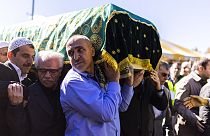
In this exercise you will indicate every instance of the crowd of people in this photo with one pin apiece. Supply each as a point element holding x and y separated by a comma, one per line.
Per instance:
<point>170,101</point>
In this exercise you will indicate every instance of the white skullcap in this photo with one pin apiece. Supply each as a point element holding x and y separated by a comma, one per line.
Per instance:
<point>18,42</point>
<point>3,44</point>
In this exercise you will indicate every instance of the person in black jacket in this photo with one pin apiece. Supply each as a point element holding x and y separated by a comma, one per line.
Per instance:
<point>188,122</point>
<point>20,58</point>
<point>42,114</point>
<point>203,102</point>
<point>136,120</point>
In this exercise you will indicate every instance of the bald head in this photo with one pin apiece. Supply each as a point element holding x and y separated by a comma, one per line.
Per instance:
<point>80,52</point>
<point>77,39</point>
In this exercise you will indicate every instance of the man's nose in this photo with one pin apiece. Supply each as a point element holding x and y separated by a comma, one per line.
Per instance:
<point>76,56</point>
<point>30,60</point>
<point>166,77</point>
<point>47,74</point>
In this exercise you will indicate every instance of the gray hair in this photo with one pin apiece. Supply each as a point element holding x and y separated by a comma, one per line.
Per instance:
<point>48,54</point>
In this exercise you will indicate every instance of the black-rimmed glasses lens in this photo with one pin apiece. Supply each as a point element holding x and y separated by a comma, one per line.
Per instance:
<point>51,71</point>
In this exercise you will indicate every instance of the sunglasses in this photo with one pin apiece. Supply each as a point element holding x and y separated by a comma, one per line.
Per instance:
<point>164,74</point>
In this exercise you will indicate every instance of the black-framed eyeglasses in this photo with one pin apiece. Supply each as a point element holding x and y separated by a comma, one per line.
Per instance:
<point>51,71</point>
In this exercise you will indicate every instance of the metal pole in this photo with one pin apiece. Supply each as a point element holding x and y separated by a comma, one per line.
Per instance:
<point>32,12</point>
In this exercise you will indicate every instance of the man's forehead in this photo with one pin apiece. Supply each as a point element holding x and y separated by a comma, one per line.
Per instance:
<point>49,62</point>
<point>4,49</point>
<point>74,46</point>
<point>163,69</point>
<point>26,50</point>
<point>79,43</point>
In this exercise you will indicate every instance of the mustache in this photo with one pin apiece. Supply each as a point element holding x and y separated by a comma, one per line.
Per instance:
<point>77,62</point>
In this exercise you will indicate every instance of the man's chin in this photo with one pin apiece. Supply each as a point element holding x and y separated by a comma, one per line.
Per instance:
<point>25,72</point>
<point>48,86</point>
<point>162,83</point>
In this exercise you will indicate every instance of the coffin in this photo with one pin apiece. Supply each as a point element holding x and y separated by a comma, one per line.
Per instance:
<point>119,37</point>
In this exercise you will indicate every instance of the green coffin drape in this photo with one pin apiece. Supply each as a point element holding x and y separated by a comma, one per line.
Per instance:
<point>119,37</point>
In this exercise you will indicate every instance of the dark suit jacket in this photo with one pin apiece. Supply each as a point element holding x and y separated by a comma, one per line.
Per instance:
<point>39,117</point>
<point>159,127</point>
<point>7,75</point>
<point>138,119</point>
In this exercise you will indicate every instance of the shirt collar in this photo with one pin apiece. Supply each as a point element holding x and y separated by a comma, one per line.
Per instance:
<point>85,74</point>
<point>21,78</point>
<point>195,76</point>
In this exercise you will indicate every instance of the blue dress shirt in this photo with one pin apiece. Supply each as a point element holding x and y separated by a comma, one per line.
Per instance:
<point>91,110</point>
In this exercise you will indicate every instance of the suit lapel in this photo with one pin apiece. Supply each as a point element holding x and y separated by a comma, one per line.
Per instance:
<point>42,100</point>
<point>13,70</point>
<point>151,110</point>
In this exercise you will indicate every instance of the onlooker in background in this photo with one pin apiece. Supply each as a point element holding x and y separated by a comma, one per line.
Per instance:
<point>204,101</point>
<point>164,117</point>
<point>187,122</point>
<point>185,70</point>
<point>171,85</point>
<point>172,79</point>
<point>174,71</point>
<point>20,58</point>
<point>204,111</point>
<point>42,115</point>
<point>3,51</point>
<point>92,109</point>
<point>194,65</point>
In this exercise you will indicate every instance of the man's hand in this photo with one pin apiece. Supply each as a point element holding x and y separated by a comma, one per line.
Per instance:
<point>15,93</point>
<point>129,80</point>
<point>111,73</point>
<point>135,78</point>
<point>195,101</point>
<point>155,78</point>
<point>138,77</point>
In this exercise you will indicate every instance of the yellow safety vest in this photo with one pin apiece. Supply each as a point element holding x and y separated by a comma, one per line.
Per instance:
<point>172,88</point>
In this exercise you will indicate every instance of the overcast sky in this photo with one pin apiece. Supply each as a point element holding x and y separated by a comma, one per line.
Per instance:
<point>184,22</point>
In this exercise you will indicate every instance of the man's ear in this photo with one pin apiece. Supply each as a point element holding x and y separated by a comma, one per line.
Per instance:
<point>93,51</point>
<point>200,68</point>
<point>9,55</point>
